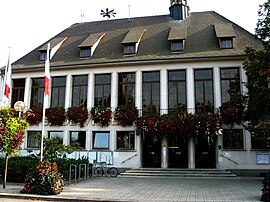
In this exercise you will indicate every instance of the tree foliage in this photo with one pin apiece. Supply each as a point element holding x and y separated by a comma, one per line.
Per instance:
<point>257,67</point>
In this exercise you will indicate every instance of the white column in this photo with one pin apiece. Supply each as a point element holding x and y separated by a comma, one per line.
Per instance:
<point>164,91</point>
<point>114,96</point>
<point>66,137</point>
<point>217,88</point>
<point>90,90</point>
<point>27,92</point>
<point>164,153</point>
<point>243,78</point>
<point>138,100</point>
<point>191,153</point>
<point>190,90</point>
<point>87,140</point>
<point>68,91</point>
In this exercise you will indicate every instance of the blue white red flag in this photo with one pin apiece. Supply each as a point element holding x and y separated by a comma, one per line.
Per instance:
<point>8,83</point>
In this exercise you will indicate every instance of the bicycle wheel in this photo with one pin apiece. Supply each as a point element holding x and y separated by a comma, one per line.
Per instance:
<point>99,171</point>
<point>113,172</point>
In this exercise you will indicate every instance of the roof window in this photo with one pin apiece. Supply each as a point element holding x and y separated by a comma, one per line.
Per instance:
<point>177,37</point>
<point>225,34</point>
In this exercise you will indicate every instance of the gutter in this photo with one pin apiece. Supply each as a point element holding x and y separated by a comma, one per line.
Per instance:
<point>122,62</point>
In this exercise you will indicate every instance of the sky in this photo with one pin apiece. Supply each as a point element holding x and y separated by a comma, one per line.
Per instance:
<point>26,24</point>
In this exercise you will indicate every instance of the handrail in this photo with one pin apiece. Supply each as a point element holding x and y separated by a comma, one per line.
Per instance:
<point>229,159</point>
<point>129,158</point>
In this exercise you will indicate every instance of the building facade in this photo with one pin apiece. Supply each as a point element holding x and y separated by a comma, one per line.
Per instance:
<point>178,62</point>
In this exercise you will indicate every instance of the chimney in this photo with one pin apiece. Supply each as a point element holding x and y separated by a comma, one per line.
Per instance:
<point>179,10</point>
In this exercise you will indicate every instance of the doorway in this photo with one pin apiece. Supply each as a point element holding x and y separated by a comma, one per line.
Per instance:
<point>205,148</point>
<point>178,151</point>
<point>151,151</point>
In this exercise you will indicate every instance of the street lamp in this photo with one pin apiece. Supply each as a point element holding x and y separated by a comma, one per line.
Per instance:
<point>19,106</point>
<point>3,106</point>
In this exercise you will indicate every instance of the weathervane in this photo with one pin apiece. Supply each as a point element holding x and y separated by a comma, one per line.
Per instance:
<point>108,13</point>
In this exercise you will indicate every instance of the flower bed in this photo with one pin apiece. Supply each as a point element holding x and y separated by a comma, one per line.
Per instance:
<point>33,116</point>
<point>77,115</point>
<point>101,115</point>
<point>125,115</point>
<point>56,116</point>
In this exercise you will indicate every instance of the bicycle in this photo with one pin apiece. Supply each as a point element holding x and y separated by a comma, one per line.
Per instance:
<point>103,169</point>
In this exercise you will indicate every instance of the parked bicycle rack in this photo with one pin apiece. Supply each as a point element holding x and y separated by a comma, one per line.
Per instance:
<point>80,169</point>
<point>75,172</point>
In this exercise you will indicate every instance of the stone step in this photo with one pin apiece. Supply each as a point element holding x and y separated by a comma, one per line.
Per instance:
<point>178,172</point>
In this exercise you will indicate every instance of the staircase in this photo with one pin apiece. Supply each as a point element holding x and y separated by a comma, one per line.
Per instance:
<point>171,172</point>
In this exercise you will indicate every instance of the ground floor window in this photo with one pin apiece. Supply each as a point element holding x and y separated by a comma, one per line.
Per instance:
<point>233,139</point>
<point>77,139</point>
<point>260,139</point>
<point>101,140</point>
<point>56,135</point>
<point>125,140</point>
<point>33,139</point>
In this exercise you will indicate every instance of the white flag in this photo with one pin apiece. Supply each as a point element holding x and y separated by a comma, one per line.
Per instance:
<point>8,83</point>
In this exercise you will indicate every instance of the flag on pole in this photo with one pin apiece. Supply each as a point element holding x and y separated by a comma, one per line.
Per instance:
<point>47,72</point>
<point>47,79</point>
<point>8,83</point>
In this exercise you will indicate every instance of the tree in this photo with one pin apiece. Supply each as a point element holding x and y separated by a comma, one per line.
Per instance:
<point>257,67</point>
<point>11,135</point>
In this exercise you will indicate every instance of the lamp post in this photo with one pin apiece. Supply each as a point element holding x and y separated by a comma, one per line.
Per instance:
<point>3,106</point>
<point>19,106</point>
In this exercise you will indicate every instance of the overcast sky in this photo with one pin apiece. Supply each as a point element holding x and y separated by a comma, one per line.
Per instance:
<point>26,24</point>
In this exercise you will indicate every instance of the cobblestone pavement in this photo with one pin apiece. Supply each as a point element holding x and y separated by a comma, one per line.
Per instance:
<point>154,189</point>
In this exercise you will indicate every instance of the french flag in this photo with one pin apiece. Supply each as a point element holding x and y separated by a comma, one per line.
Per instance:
<point>47,72</point>
<point>8,83</point>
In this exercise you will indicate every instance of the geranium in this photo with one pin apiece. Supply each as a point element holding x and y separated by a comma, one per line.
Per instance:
<point>33,116</point>
<point>45,180</point>
<point>56,116</point>
<point>77,115</point>
<point>231,114</point>
<point>125,115</point>
<point>101,115</point>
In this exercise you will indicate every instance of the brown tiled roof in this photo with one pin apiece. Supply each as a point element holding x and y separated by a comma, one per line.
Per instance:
<point>201,41</point>
<point>133,36</point>
<point>177,32</point>
<point>54,42</point>
<point>91,40</point>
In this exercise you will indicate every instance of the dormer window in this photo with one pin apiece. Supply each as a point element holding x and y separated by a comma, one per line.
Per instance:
<point>132,40</point>
<point>177,45</point>
<point>55,44</point>
<point>177,37</point>
<point>129,49</point>
<point>43,55</point>
<point>89,45</point>
<point>85,52</point>
<point>225,34</point>
<point>226,43</point>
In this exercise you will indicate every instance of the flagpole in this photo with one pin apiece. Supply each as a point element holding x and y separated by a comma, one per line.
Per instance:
<point>46,95</point>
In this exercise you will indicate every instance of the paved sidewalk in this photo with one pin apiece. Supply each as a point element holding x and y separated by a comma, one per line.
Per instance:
<point>147,189</point>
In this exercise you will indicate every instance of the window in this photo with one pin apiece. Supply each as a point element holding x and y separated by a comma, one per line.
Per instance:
<point>151,92</point>
<point>58,92</point>
<point>17,91</point>
<point>101,140</point>
<point>129,49</point>
<point>56,135</point>
<point>177,90</point>
<point>103,90</point>
<point>233,139</point>
<point>77,139</point>
<point>85,52</point>
<point>126,88</point>
<point>79,91</point>
<point>43,55</point>
<point>230,83</point>
<point>177,45</point>
<point>125,140</point>
<point>260,139</point>
<point>226,43</point>
<point>37,93</point>
<point>204,97</point>
<point>33,139</point>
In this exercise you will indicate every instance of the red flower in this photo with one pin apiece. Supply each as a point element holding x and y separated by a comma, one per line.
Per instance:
<point>101,115</point>
<point>125,115</point>
<point>33,116</point>
<point>77,115</point>
<point>56,116</point>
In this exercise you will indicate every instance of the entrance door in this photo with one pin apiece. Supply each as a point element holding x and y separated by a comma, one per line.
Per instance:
<point>205,152</point>
<point>151,151</point>
<point>178,152</point>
